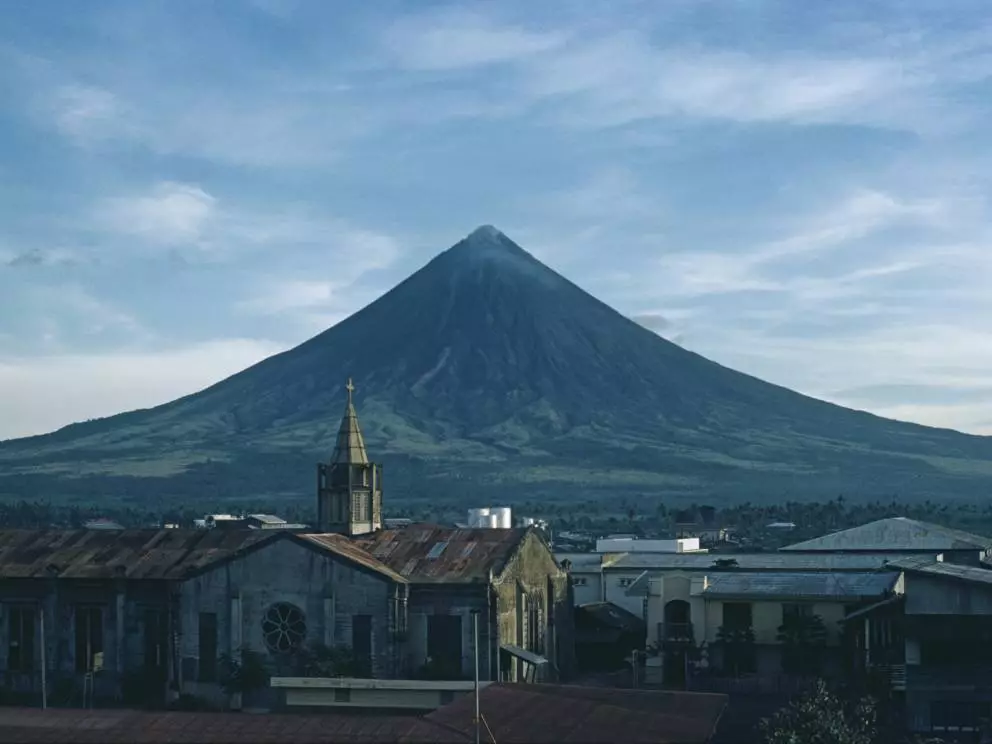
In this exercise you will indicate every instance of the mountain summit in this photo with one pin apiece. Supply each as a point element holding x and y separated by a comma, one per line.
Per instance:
<point>486,371</point>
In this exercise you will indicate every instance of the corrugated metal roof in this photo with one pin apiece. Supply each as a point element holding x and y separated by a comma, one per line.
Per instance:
<point>348,549</point>
<point>948,570</point>
<point>535,714</point>
<point>801,585</point>
<point>408,551</point>
<point>132,554</point>
<point>141,727</point>
<point>756,561</point>
<point>609,614</point>
<point>168,554</point>
<point>896,534</point>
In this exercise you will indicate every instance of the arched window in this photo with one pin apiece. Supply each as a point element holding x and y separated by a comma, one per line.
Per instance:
<point>284,627</point>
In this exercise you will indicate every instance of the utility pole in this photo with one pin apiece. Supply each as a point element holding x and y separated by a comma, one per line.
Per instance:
<point>44,662</point>
<point>475,643</point>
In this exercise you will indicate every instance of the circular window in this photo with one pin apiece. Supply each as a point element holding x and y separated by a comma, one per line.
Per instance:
<point>284,627</point>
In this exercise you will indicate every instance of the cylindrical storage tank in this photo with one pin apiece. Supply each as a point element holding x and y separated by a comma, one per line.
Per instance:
<point>492,521</point>
<point>504,517</point>
<point>478,517</point>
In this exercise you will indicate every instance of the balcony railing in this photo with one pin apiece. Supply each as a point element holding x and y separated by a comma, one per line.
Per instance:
<point>894,673</point>
<point>675,632</point>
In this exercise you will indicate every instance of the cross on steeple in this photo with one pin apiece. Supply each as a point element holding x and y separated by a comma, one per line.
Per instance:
<point>350,387</point>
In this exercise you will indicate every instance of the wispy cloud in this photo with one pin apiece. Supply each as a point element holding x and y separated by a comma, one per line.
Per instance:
<point>140,380</point>
<point>456,39</point>
<point>172,213</point>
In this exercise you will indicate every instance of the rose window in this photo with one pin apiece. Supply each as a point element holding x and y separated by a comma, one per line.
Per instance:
<point>284,627</point>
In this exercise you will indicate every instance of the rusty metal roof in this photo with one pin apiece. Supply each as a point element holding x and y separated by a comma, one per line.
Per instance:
<point>528,713</point>
<point>132,554</point>
<point>427,553</point>
<point>149,554</point>
<point>349,549</point>
<point>138,727</point>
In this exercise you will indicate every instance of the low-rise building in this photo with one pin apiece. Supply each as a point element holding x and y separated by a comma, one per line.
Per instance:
<point>933,642</point>
<point>743,622</point>
<point>901,535</point>
<point>508,577</point>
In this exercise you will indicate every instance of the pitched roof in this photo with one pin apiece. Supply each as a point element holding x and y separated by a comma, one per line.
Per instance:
<point>801,585</point>
<point>348,549</point>
<point>138,727</point>
<point>610,615</point>
<point>533,714</point>
<point>896,534</point>
<point>107,554</point>
<point>426,553</point>
<point>349,449</point>
<point>150,554</point>
<point>516,714</point>
<point>782,561</point>
<point>942,569</point>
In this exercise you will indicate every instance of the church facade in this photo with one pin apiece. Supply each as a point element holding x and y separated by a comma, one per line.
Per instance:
<point>144,616</point>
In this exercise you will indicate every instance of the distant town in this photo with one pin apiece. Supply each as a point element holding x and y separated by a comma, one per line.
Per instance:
<point>702,635</point>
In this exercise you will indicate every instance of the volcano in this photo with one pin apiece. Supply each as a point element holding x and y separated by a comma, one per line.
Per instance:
<point>486,374</point>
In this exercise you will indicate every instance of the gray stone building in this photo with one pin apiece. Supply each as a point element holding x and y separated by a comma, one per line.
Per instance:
<point>145,615</point>
<point>140,612</point>
<point>508,577</point>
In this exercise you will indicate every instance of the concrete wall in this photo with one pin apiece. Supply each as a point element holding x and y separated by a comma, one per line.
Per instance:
<point>330,591</point>
<point>123,606</point>
<point>534,572</point>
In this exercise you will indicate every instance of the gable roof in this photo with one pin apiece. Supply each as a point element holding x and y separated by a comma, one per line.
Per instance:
<point>609,615</point>
<point>429,554</point>
<point>149,554</point>
<point>795,585</point>
<point>896,534</point>
<point>941,569</point>
<point>350,551</point>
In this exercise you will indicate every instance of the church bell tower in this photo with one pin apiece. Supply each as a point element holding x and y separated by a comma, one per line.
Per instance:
<point>349,487</point>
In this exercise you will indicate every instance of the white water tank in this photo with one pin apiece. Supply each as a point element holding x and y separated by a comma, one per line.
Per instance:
<point>478,517</point>
<point>492,521</point>
<point>504,517</point>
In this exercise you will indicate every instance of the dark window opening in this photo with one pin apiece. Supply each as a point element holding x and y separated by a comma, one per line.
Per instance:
<point>208,647</point>
<point>444,646</point>
<point>737,615</point>
<point>21,639</point>
<point>89,638</point>
<point>361,644</point>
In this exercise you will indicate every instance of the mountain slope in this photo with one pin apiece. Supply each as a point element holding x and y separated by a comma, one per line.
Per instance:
<point>487,370</point>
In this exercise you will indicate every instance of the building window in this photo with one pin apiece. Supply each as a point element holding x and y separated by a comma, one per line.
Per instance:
<point>361,644</point>
<point>284,627</point>
<point>578,581</point>
<point>207,641</point>
<point>795,611</point>
<point>957,715</point>
<point>89,638</point>
<point>737,615</point>
<point>20,639</point>
<point>444,646</point>
<point>625,582</point>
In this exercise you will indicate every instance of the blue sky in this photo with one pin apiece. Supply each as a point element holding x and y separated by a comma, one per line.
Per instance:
<point>798,190</point>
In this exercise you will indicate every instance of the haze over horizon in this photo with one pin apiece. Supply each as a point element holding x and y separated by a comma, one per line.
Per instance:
<point>796,191</point>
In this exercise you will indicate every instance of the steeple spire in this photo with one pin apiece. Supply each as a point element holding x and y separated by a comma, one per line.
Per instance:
<point>350,446</point>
